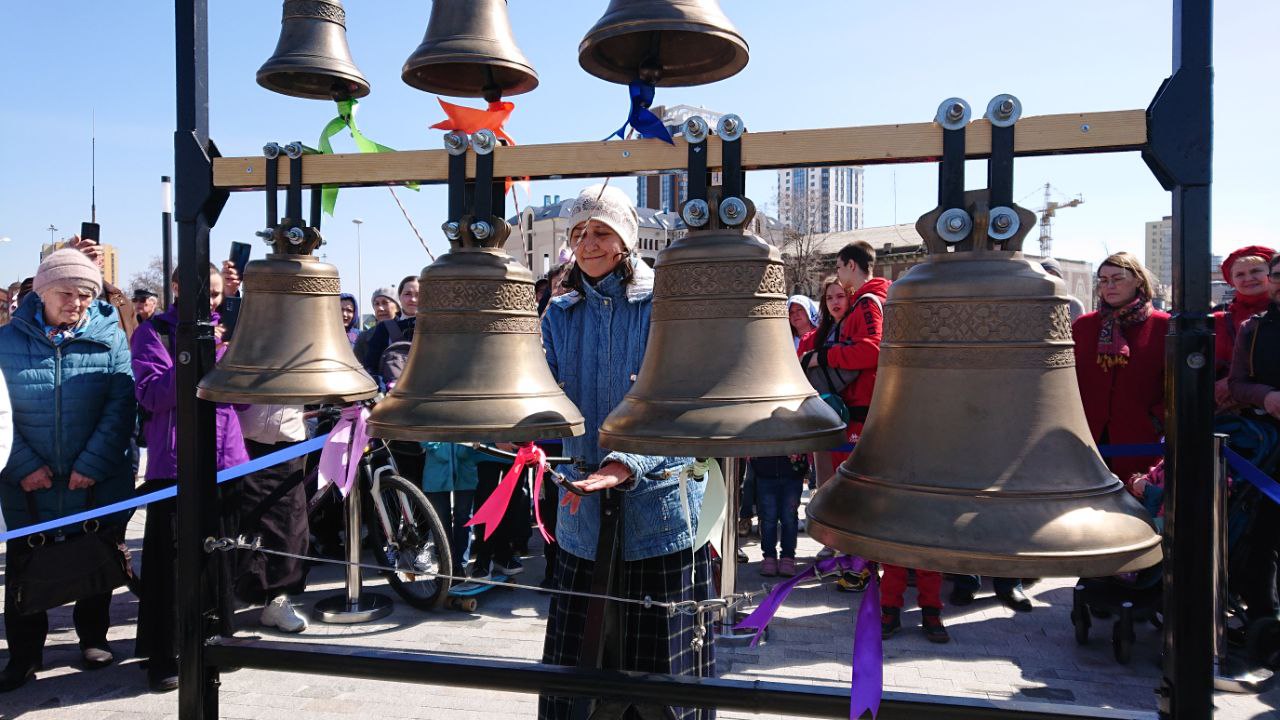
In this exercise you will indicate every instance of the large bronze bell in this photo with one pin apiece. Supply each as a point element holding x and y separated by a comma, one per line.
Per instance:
<point>667,43</point>
<point>976,456</point>
<point>289,347</point>
<point>469,51</point>
<point>312,59</point>
<point>720,376</point>
<point>476,371</point>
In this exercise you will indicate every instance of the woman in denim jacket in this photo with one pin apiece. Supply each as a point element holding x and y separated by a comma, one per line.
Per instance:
<point>595,339</point>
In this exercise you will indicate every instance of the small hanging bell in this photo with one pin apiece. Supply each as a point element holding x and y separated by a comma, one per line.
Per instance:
<point>469,51</point>
<point>312,59</point>
<point>667,43</point>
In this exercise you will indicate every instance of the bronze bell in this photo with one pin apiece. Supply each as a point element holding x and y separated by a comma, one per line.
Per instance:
<point>476,371</point>
<point>289,347</point>
<point>667,43</point>
<point>976,456</point>
<point>720,377</point>
<point>469,51</point>
<point>312,59</point>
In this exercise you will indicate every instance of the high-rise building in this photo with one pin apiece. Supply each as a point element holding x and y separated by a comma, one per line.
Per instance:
<point>108,260</point>
<point>820,200</point>
<point>666,192</point>
<point>1159,258</point>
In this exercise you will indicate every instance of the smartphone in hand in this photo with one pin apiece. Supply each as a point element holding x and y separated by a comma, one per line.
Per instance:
<point>90,231</point>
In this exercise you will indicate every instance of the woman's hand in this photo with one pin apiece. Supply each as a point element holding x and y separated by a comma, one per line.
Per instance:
<point>1272,403</point>
<point>230,279</point>
<point>609,476</point>
<point>79,482</point>
<point>41,479</point>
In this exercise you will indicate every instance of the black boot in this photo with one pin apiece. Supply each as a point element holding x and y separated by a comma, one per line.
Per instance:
<point>16,675</point>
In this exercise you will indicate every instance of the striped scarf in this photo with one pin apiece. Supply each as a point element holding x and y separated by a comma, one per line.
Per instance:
<point>1113,348</point>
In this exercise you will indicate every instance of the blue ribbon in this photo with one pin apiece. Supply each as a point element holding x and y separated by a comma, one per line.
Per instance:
<point>231,473</point>
<point>640,118</point>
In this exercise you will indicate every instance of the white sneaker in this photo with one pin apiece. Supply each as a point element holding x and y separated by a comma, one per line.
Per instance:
<point>279,613</point>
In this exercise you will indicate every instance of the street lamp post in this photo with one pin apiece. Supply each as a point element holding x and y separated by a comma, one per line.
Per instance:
<point>359,266</point>
<point>51,230</point>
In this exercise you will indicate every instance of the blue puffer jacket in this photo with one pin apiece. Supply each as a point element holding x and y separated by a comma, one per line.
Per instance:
<point>73,409</point>
<point>595,341</point>
<point>449,467</point>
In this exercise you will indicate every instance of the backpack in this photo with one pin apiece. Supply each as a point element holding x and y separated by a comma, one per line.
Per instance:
<point>830,381</point>
<point>393,360</point>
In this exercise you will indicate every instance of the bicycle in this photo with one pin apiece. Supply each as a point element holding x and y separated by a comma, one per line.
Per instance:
<point>405,532</point>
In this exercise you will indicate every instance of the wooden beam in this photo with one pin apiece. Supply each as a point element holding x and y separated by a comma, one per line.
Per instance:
<point>1072,133</point>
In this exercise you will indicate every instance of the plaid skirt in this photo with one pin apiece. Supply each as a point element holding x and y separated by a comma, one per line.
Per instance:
<point>653,641</point>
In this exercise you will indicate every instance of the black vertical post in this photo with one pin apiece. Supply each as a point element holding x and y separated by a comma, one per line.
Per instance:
<point>166,241</point>
<point>1179,151</point>
<point>197,495</point>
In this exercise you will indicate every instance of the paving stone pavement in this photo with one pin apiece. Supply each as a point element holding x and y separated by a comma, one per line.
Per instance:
<point>994,654</point>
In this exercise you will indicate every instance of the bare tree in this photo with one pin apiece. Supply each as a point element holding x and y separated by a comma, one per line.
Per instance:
<point>800,243</point>
<point>150,278</point>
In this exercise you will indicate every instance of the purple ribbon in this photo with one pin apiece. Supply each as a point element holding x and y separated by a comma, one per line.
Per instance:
<point>640,118</point>
<point>868,650</point>
<point>340,457</point>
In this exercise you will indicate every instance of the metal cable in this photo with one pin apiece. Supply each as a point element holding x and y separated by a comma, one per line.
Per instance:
<point>683,607</point>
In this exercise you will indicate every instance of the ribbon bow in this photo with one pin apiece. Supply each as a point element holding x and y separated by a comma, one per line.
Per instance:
<point>340,457</point>
<point>868,649</point>
<point>641,118</point>
<point>490,513</point>
<point>346,119</point>
<point>469,120</point>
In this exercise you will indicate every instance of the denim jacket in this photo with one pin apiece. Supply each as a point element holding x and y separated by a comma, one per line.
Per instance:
<point>594,342</point>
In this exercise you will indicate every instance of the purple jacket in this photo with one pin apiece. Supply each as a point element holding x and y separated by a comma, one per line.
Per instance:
<point>156,385</point>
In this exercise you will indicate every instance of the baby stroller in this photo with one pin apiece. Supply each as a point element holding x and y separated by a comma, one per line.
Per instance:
<point>1251,517</point>
<point>1129,597</point>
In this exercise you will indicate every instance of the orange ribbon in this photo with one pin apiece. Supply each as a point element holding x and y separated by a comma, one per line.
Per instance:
<point>470,120</point>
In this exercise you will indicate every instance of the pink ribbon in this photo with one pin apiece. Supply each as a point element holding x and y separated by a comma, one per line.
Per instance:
<point>490,513</point>
<point>340,457</point>
<point>868,649</point>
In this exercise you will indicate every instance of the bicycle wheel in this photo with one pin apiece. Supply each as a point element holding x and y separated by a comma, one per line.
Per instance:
<point>409,536</point>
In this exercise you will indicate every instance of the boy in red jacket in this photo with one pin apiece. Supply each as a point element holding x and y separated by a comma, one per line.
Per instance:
<point>858,348</point>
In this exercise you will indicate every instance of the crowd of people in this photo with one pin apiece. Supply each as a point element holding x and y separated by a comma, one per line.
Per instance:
<point>89,377</point>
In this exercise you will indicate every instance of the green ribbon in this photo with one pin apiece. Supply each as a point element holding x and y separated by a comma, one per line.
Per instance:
<point>346,119</point>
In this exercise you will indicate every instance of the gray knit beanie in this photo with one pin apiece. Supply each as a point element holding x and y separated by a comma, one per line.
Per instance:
<point>610,205</point>
<point>387,292</point>
<point>68,266</point>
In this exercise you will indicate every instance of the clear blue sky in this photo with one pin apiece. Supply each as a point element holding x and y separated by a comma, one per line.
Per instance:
<point>813,64</point>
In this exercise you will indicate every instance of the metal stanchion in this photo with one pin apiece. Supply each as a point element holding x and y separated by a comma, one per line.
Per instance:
<point>353,606</point>
<point>1228,674</point>
<point>729,555</point>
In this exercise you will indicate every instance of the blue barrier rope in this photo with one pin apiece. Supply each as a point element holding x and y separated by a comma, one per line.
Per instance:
<point>266,461</point>
<point>1250,472</point>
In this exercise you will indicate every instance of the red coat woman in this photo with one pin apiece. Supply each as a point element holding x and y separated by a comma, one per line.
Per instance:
<point>1120,362</point>
<point>1246,271</point>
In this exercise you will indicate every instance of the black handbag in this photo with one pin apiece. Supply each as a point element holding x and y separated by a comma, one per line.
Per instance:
<point>57,569</point>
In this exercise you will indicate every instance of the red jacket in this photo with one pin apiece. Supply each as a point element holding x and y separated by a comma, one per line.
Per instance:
<point>1127,401</point>
<point>858,347</point>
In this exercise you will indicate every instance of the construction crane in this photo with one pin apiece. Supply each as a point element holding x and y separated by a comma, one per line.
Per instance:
<point>1047,212</point>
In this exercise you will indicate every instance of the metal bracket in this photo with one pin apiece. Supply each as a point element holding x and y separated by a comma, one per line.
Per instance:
<point>698,180</point>
<point>1003,111</point>
<point>954,224</point>
<point>733,208</point>
<point>1180,113</point>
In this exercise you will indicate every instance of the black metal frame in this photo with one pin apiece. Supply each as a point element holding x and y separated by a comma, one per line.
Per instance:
<point>1179,150</point>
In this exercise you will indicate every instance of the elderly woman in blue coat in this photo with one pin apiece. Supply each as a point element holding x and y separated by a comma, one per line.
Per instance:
<point>66,364</point>
<point>595,338</point>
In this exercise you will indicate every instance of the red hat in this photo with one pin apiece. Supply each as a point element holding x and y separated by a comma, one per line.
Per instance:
<point>1261,251</point>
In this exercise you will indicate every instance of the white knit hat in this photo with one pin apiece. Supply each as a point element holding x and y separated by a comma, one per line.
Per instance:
<point>610,205</point>
<point>68,266</point>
